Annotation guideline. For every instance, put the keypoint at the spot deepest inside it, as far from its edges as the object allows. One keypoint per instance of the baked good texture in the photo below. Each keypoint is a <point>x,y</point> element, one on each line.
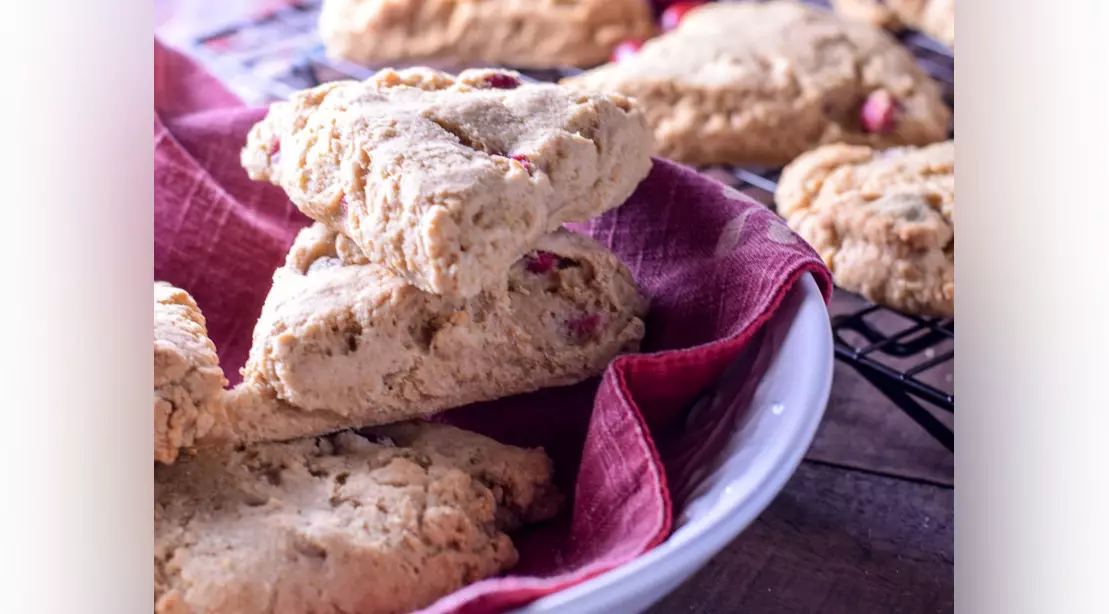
<point>187,376</point>
<point>761,83</point>
<point>342,343</point>
<point>933,17</point>
<point>448,181</point>
<point>878,13</point>
<point>377,523</point>
<point>520,33</point>
<point>883,221</point>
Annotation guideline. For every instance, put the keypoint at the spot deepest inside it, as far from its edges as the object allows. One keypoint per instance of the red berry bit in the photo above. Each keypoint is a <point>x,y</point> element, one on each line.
<point>584,328</point>
<point>523,160</point>
<point>502,81</point>
<point>275,150</point>
<point>344,205</point>
<point>879,113</point>
<point>674,14</point>
<point>541,262</point>
<point>625,50</point>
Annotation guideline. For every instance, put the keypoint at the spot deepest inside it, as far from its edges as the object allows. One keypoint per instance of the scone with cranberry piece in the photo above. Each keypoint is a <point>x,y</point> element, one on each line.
<point>345,343</point>
<point>761,83</point>
<point>445,180</point>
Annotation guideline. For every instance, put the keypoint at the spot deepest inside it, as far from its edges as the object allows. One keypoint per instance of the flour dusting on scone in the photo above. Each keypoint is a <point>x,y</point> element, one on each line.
<point>530,34</point>
<point>378,523</point>
<point>884,221</point>
<point>342,344</point>
<point>761,83</point>
<point>187,377</point>
<point>447,181</point>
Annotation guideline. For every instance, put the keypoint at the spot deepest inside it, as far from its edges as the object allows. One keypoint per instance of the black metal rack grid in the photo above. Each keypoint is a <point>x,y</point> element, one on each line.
<point>279,53</point>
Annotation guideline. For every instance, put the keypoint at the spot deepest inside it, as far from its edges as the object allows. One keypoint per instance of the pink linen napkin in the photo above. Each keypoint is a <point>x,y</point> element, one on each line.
<point>714,264</point>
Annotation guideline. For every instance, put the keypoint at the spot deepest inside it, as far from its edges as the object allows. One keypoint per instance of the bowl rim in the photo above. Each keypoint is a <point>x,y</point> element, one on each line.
<point>808,333</point>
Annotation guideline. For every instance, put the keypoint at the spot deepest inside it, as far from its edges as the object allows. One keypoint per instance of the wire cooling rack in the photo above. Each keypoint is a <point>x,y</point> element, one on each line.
<point>910,359</point>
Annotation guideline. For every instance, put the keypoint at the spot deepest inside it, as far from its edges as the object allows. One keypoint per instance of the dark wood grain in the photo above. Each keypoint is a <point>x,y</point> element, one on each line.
<point>835,541</point>
<point>864,429</point>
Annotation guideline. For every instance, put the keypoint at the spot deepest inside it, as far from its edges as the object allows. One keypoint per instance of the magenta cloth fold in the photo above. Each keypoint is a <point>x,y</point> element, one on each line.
<point>714,264</point>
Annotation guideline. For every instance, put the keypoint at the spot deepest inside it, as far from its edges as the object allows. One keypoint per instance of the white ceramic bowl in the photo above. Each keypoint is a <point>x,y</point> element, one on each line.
<point>764,449</point>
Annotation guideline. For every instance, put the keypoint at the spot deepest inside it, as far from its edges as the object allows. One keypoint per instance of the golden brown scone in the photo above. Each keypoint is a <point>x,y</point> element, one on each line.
<point>187,376</point>
<point>933,17</point>
<point>447,181</point>
<point>378,524</point>
<point>883,221</point>
<point>519,33</point>
<point>761,83</point>
<point>341,343</point>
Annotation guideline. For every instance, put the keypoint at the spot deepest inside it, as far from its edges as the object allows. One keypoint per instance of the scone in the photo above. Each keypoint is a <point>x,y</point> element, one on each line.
<point>381,523</point>
<point>187,376</point>
<point>342,343</point>
<point>933,17</point>
<point>448,181</point>
<point>884,221</point>
<point>761,83</point>
<point>877,13</point>
<point>519,33</point>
